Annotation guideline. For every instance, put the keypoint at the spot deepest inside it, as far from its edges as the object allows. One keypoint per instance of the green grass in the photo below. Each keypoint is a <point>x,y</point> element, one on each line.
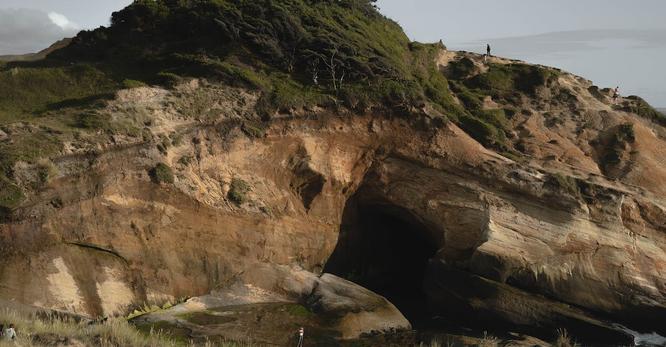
<point>567,183</point>
<point>206,318</point>
<point>297,52</point>
<point>488,126</point>
<point>11,195</point>
<point>640,107</point>
<point>130,83</point>
<point>299,311</point>
<point>503,79</point>
<point>25,92</point>
<point>461,69</point>
<point>115,332</point>
<point>28,147</point>
<point>254,129</point>
<point>238,190</point>
<point>161,174</point>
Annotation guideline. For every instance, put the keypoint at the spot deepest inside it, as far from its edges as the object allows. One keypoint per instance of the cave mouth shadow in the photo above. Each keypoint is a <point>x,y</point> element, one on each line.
<point>386,249</point>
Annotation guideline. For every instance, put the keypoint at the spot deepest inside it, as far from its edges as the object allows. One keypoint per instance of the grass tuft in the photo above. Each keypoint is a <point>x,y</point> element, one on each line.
<point>238,190</point>
<point>11,195</point>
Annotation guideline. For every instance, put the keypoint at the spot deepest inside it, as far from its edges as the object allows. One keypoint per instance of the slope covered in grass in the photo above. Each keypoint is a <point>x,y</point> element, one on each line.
<point>294,53</point>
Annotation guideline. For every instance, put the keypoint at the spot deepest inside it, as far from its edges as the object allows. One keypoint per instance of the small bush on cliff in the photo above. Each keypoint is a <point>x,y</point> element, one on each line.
<point>624,135</point>
<point>130,83</point>
<point>640,107</point>
<point>238,190</point>
<point>567,183</point>
<point>502,79</point>
<point>461,69</point>
<point>11,195</point>
<point>161,173</point>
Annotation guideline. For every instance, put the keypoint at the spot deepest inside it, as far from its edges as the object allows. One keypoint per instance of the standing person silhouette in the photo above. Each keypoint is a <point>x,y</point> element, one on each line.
<point>616,94</point>
<point>485,59</point>
<point>301,334</point>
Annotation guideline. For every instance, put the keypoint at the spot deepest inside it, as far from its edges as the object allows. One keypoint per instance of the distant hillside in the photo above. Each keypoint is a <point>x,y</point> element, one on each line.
<point>39,55</point>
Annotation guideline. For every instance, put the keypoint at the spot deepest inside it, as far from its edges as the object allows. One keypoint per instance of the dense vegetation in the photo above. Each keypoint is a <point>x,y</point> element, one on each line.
<point>505,83</point>
<point>640,107</point>
<point>161,173</point>
<point>295,53</point>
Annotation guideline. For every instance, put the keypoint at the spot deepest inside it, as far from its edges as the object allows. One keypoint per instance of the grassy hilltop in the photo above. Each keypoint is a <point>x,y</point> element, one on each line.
<point>336,54</point>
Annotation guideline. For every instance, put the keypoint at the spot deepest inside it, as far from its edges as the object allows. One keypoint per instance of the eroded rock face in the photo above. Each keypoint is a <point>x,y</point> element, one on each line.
<point>102,237</point>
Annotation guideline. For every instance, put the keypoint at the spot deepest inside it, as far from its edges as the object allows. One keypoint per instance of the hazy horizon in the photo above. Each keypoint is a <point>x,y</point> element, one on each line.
<point>609,42</point>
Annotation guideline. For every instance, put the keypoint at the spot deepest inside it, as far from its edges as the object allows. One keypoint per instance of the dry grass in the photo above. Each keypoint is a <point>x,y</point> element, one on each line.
<point>63,331</point>
<point>563,339</point>
<point>489,341</point>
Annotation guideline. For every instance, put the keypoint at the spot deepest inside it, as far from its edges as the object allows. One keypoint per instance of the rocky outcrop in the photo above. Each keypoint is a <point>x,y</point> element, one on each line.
<point>347,309</point>
<point>545,242</point>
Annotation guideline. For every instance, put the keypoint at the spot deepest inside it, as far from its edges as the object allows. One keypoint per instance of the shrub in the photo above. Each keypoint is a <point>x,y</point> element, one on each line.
<point>617,144</point>
<point>11,195</point>
<point>238,190</point>
<point>495,117</point>
<point>253,129</point>
<point>161,173</point>
<point>168,78</point>
<point>46,170</point>
<point>566,183</point>
<point>296,51</point>
<point>185,160</point>
<point>470,100</point>
<point>461,69</point>
<point>640,107</point>
<point>129,84</point>
<point>625,133</point>
<point>501,79</point>
<point>482,131</point>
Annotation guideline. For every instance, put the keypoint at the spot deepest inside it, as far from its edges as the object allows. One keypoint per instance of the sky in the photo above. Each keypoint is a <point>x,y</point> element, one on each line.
<point>612,42</point>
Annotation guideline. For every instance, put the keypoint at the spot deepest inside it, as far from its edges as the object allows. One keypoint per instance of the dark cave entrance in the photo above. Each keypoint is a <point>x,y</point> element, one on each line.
<point>385,249</point>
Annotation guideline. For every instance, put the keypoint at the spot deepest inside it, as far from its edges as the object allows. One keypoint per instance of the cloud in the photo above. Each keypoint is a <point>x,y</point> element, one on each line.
<point>62,21</point>
<point>28,31</point>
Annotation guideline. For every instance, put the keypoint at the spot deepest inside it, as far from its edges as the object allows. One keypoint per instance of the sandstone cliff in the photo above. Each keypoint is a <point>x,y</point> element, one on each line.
<point>557,220</point>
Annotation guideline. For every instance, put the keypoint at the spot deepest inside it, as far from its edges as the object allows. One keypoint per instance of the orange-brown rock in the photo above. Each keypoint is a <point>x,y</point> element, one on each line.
<point>558,228</point>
